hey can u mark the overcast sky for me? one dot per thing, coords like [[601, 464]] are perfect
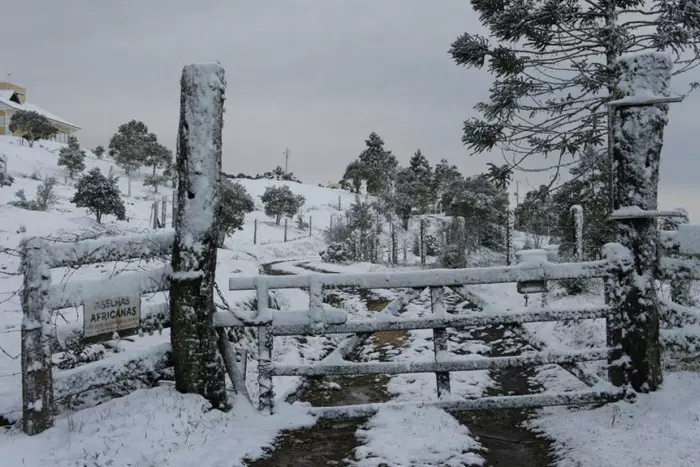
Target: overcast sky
[[316, 76]]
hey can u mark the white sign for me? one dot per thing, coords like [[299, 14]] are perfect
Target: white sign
[[107, 315]]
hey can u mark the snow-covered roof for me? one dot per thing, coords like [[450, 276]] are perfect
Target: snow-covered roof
[[5, 100]]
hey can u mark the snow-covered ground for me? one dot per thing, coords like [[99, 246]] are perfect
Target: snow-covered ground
[[162, 427]]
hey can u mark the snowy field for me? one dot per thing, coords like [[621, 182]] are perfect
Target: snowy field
[[162, 427]]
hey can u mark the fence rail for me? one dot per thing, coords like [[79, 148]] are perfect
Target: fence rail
[[40, 299]]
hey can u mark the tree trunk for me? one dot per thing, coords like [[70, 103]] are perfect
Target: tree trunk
[[198, 366]]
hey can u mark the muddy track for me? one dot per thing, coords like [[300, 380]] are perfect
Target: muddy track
[[329, 442], [501, 432]]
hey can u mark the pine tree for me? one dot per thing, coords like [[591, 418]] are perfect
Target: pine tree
[[100, 195], [31, 126], [445, 176], [375, 165], [483, 205], [537, 214], [235, 202], [72, 157], [281, 201], [99, 151], [554, 66], [421, 181], [589, 187], [354, 174]]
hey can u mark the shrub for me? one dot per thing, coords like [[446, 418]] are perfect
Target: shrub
[[337, 252], [45, 197]]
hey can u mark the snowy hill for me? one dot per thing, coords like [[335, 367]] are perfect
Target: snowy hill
[[29, 166]]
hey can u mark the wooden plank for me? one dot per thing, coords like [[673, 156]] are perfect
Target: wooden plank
[[463, 364], [226, 319], [527, 271], [485, 403]]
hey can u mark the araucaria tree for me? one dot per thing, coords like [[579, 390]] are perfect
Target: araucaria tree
[[72, 157], [31, 126], [100, 195], [375, 165], [280, 201], [554, 64], [235, 203]]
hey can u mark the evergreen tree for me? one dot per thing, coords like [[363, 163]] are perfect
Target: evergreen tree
[[354, 174], [376, 166], [235, 202], [380, 164], [99, 151], [554, 65], [407, 194], [421, 183], [445, 176], [100, 195], [31, 126], [589, 187], [537, 214], [483, 206], [72, 157], [280, 201]]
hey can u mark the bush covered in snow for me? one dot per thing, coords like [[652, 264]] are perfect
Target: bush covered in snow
[[235, 202], [45, 197], [337, 252], [100, 195], [279, 201]]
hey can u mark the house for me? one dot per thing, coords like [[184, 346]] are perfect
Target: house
[[14, 98]]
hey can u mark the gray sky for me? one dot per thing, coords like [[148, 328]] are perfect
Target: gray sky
[[316, 76]]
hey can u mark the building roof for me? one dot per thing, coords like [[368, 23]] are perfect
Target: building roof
[[5, 100]]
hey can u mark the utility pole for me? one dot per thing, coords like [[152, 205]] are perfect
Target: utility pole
[[517, 193], [286, 161], [9, 75]]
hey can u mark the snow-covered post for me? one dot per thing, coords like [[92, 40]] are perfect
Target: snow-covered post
[[437, 301], [174, 201], [394, 246], [154, 210], [266, 395], [510, 251], [641, 114], [285, 229], [37, 379], [198, 365], [339, 205], [163, 212], [462, 242], [255, 232], [421, 242], [576, 212], [405, 249]]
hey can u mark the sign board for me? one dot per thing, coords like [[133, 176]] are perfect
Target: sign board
[[106, 315]]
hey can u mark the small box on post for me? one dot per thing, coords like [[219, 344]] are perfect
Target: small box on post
[[531, 256]]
